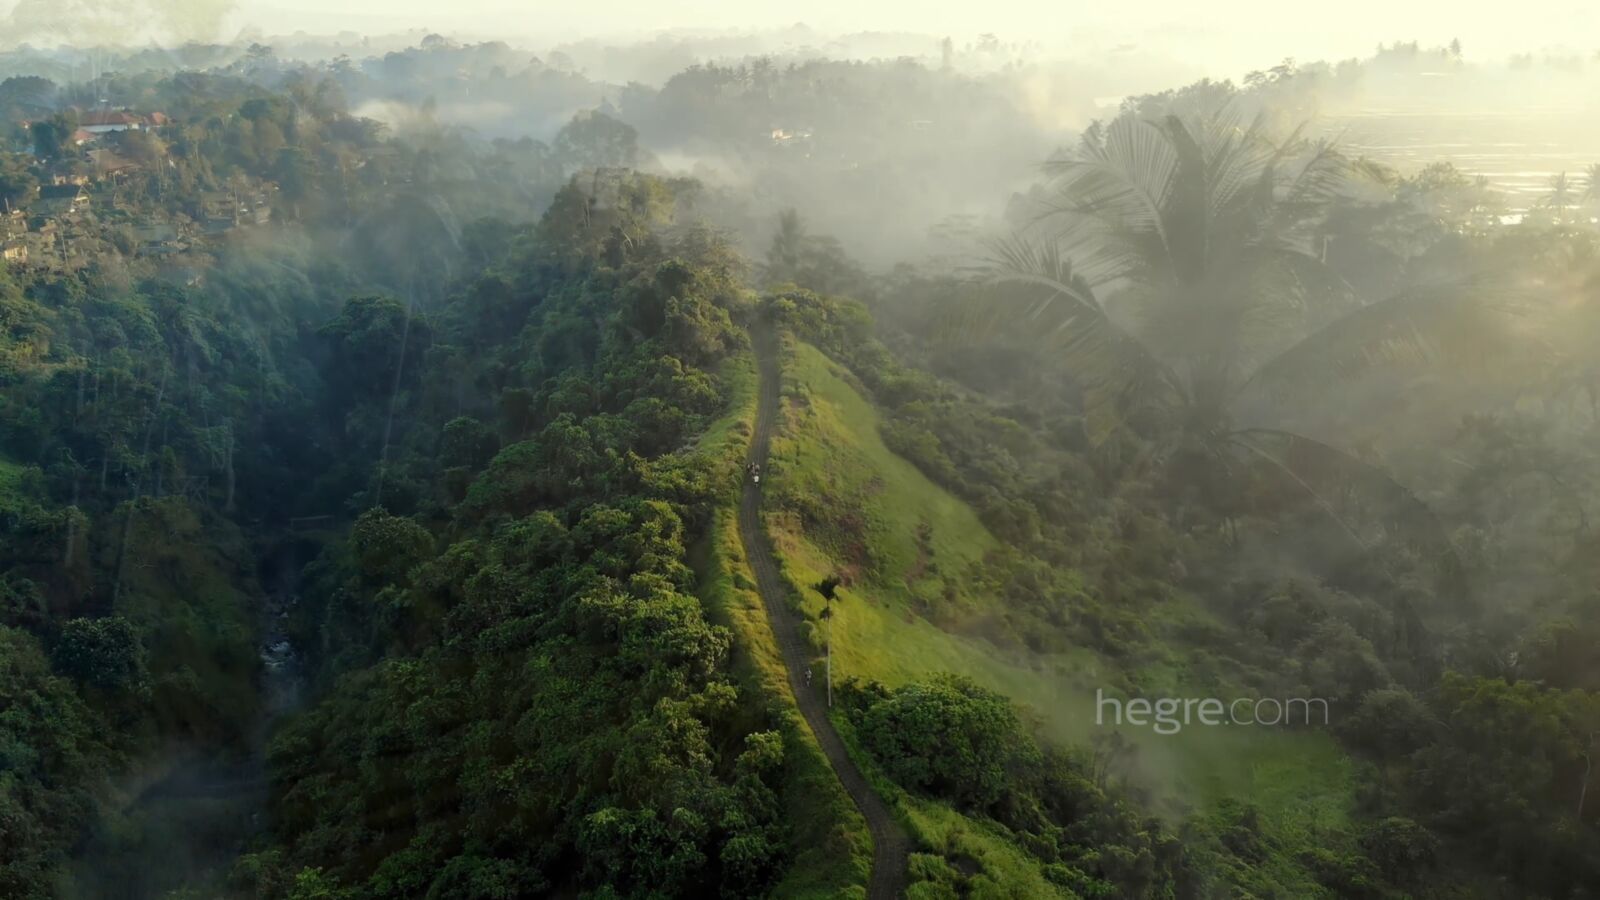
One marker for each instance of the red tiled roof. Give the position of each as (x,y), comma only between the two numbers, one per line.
(108,117)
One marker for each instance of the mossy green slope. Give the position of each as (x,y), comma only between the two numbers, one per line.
(842,502)
(831,852)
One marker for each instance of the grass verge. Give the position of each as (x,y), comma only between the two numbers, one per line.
(830,847)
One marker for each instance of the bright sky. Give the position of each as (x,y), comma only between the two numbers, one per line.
(1248,32)
(1225,37)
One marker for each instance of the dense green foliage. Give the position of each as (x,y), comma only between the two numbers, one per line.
(1292,606)
(379,493)
(957,741)
(542,703)
(54,751)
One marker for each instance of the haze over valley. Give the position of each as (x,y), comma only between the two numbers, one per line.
(648,451)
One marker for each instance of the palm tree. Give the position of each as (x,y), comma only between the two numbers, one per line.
(1560,198)
(1591,186)
(1183,277)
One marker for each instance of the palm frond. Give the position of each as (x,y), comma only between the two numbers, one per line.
(1322,176)
(1123,180)
(1188,214)
(1102,254)
(1388,510)
(1116,370)
(1041,264)
(1242,164)
(1463,322)
(1591,183)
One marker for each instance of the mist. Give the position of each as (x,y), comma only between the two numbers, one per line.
(637,451)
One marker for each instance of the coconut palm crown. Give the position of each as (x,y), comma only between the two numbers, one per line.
(1182,276)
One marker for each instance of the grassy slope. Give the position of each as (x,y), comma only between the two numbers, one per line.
(830,465)
(878,633)
(830,848)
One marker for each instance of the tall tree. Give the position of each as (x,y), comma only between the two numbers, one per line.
(1182,273)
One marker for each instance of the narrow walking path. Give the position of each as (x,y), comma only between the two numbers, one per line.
(889,842)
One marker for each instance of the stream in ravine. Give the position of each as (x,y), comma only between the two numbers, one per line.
(182,818)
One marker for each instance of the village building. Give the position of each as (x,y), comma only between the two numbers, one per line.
(156,239)
(223,211)
(107,121)
(108,163)
(60,200)
(13,223)
(40,248)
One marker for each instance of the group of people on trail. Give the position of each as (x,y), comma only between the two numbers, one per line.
(753,469)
